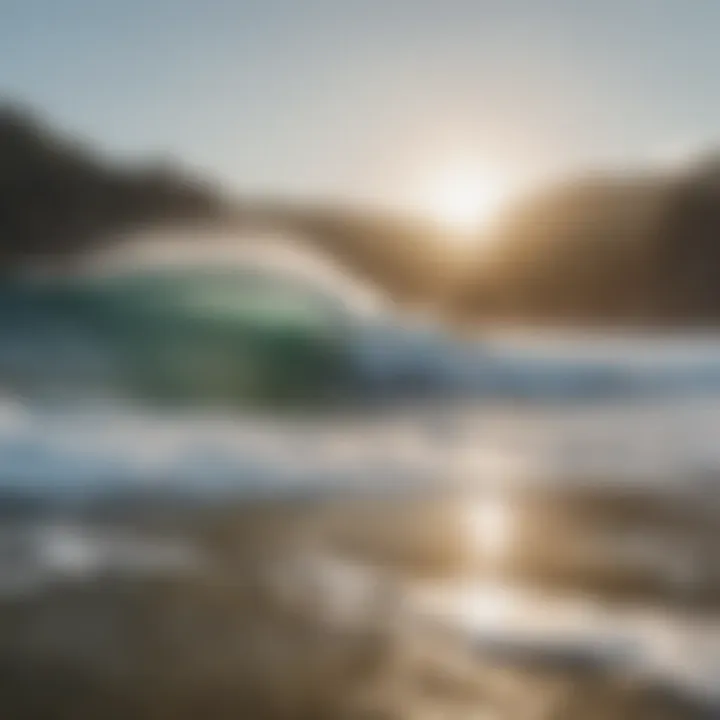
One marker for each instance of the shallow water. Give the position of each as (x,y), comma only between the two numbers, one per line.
(557,534)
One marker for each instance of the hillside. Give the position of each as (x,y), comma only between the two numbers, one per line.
(59,197)
(617,250)
(642,250)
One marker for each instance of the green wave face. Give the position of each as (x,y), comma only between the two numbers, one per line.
(191,336)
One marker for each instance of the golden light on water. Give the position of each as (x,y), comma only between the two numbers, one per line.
(489,524)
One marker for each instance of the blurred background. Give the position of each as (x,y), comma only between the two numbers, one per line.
(359,359)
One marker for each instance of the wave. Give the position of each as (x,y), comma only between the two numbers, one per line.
(173,374)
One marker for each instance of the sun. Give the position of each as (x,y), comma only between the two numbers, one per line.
(464,200)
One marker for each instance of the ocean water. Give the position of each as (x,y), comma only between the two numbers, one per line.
(574,477)
(602,484)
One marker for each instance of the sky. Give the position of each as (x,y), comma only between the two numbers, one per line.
(368,100)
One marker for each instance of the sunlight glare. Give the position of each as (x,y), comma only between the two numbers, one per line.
(489,523)
(465,200)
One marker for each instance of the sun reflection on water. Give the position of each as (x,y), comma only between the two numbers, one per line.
(489,524)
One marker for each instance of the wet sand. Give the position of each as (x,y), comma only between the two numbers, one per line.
(304,610)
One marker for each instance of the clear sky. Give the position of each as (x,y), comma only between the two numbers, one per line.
(362,99)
